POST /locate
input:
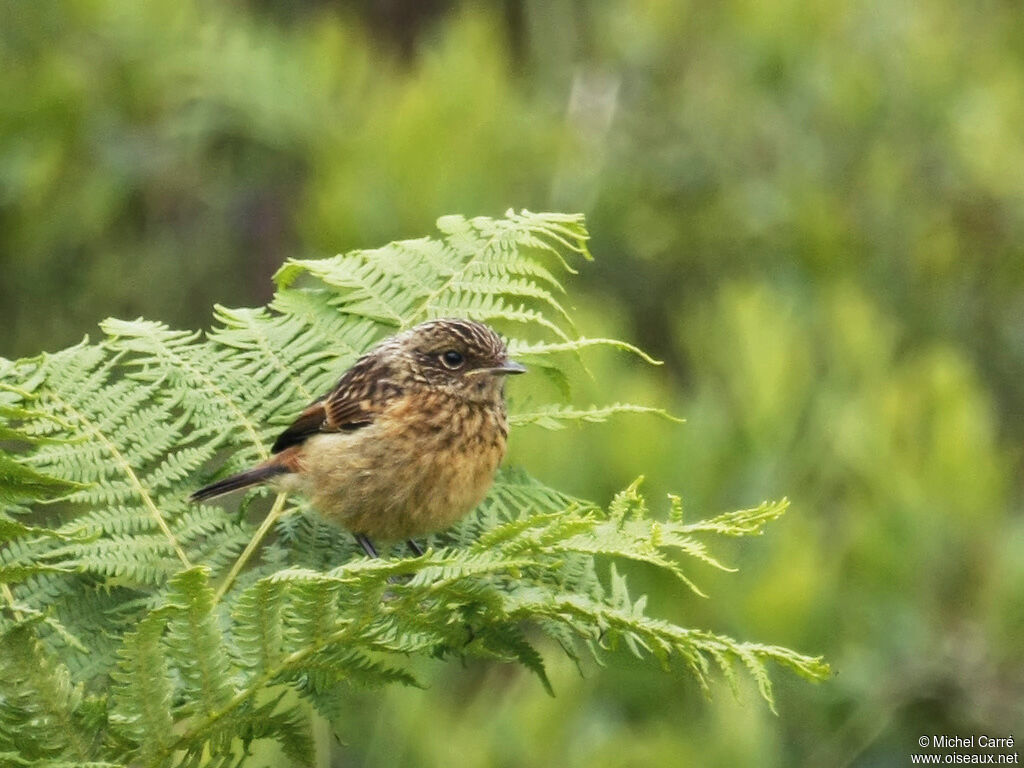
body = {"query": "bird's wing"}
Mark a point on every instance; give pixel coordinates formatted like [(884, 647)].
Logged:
[(356, 399)]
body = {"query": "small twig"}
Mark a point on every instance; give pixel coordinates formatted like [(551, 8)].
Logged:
[(9, 597), (257, 539)]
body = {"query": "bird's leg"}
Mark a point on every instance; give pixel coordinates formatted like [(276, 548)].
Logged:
[(416, 548), (366, 544)]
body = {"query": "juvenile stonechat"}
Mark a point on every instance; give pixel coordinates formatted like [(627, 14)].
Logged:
[(406, 443)]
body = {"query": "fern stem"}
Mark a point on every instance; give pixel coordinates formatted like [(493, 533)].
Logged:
[(113, 450), (254, 542), (258, 683), (9, 597), (24, 394)]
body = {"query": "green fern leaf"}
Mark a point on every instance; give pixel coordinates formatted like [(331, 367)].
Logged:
[(201, 630)]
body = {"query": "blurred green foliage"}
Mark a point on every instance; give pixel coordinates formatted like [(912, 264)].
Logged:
[(814, 212)]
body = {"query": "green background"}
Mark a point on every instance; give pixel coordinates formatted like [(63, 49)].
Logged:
[(812, 211)]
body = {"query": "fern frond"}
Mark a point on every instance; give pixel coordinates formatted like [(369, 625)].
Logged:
[(743, 522), (20, 482), (556, 416), (142, 693), (38, 699), (195, 637), (541, 349)]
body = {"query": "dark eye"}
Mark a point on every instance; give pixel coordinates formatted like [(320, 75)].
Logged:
[(452, 359)]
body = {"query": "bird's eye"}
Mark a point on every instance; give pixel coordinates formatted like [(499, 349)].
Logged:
[(452, 359)]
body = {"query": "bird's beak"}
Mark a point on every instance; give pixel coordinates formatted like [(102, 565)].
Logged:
[(507, 368)]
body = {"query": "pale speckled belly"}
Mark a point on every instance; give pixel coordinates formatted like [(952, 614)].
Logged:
[(395, 482)]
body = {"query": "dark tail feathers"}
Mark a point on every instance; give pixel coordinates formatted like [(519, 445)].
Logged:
[(253, 476)]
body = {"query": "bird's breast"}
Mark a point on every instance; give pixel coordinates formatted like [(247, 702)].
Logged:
[(419, 468)]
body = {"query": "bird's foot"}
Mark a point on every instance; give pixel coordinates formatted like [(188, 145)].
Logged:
[(367, 545)]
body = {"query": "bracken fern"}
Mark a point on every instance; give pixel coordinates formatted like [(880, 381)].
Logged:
[(138, 629)]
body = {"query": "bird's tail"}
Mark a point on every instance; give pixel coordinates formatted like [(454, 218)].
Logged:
[(250, 477)]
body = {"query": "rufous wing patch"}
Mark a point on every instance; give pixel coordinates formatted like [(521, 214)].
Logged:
[(352, 404)]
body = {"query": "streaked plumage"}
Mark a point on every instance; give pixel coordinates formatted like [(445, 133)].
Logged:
[(409, 439)]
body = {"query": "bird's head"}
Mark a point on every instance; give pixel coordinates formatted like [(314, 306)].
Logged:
[(462, 357)]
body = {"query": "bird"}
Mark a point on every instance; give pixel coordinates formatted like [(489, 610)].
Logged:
[(405, 444)]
